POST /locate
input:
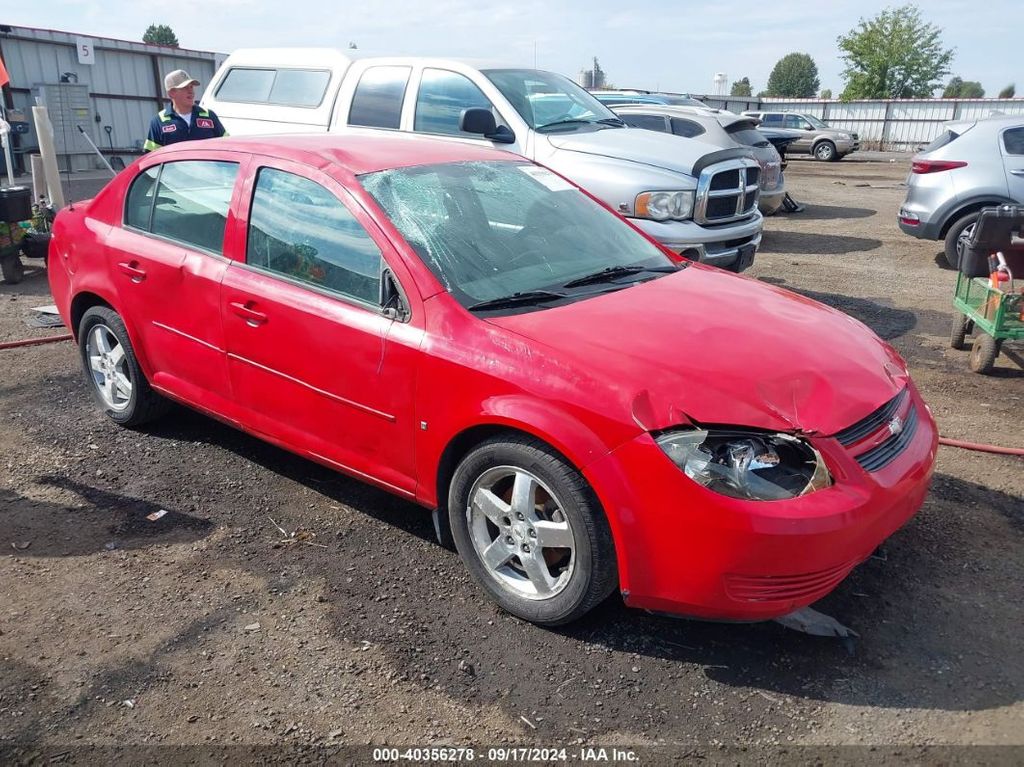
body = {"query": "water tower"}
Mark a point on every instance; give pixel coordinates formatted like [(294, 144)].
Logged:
[(720, 80)]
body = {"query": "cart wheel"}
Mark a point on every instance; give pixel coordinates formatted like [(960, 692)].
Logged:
[(984, 353), (958, 333), (12, 269)]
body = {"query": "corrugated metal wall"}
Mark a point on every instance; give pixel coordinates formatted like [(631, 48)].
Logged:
[(125, 87), (901, 125)]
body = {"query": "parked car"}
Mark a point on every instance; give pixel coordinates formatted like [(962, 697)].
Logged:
[(620, 98), (587, 411), (972, 164), (721, 129), (817, 138), (539, 115)]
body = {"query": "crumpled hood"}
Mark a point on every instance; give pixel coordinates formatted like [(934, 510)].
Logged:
[(715, 348), (659, 150)]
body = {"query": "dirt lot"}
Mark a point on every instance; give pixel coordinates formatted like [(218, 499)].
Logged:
[(206, 627)]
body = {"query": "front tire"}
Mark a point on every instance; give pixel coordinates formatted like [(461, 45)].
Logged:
[(957, 237), (825, 151), (531, 531), (113, 371), (984, 353)]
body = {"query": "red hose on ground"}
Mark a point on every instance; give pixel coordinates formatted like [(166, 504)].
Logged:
[(982, 448), (35, 341)]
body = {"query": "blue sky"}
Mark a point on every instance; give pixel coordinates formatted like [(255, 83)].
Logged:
[(673, 46)]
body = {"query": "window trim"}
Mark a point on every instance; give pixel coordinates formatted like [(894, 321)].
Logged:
[(170, 240), (259, 163), (275, 70)]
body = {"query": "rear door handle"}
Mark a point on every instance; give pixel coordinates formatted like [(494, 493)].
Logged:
[(252, 317), (132, 270)]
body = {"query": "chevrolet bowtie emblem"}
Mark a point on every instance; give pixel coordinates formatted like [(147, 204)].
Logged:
[(895, 425)]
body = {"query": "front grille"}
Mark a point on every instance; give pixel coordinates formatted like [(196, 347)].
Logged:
[(721, 207), (806, 587), (727, 192), (881, 456), (729, 179), (873, 422)]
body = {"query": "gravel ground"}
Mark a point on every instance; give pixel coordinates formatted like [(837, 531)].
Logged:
[(212, 626)]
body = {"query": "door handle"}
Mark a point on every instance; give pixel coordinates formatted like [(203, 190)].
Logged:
[(1018, 172), (252, 317), (132, 270)]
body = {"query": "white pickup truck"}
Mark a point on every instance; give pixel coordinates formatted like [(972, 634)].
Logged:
[(692, 199)]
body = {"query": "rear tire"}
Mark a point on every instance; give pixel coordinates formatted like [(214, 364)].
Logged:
[(825, 151), (958, 332), (13, 270), (113, 371), (531, 531), (984, 353), (962, 229)]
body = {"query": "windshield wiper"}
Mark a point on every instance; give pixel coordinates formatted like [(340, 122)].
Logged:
[(612, 273), (570, 121), (517, 299), (612, 121)]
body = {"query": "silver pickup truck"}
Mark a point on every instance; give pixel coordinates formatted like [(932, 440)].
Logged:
[(695, 200)]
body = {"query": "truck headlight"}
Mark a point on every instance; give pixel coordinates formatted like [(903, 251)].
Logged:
[(662, 206), (756, 466)]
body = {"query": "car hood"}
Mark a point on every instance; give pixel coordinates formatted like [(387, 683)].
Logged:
[(659, 150), (710, 347)]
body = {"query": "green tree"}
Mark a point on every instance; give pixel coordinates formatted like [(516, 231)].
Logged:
[(826, 94), (795, 76), (160, 34), (895, 55), (963, 89), (1009, 91), (741, 87)]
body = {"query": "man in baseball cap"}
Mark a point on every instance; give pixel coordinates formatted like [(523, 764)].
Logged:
[(184, 121)]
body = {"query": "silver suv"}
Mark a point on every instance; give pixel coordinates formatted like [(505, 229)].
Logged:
[(972, 164), (817, 138)]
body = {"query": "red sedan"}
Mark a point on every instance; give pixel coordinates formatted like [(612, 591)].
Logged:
[(585, 411)]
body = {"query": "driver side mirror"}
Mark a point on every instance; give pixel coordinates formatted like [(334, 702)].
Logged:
[(480, 120), (391, 302)]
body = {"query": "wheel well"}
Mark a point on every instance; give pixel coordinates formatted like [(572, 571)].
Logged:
[(974, 207), (821, 141), (459, 447), (82, 303)]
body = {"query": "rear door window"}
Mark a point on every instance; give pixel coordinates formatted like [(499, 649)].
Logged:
[(192, 201), (442, 97), (377, 102), (1013, 140), (687, 128), (300, 230), (772, 120), (139, 207), (648, 122)]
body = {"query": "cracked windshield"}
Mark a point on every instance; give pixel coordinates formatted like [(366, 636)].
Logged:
[(494, 231)]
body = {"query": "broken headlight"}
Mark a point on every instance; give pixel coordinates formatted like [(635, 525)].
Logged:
[(757, 466)]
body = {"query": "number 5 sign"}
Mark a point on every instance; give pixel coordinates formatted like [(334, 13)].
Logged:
[(86, 54)]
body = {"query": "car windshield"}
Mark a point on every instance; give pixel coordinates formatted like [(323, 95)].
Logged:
[(815, 122), (551, 102), (501, 230)]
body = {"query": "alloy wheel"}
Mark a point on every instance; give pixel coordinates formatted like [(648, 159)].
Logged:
[(108, 366), (521, 533)]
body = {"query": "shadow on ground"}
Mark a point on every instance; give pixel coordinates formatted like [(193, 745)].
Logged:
[(802, 243)]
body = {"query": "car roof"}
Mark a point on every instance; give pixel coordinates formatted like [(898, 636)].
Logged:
[(725, 119), (331, 57), (354, 151)]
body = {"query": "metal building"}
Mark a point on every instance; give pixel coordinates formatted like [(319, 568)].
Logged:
[(110, 88)]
